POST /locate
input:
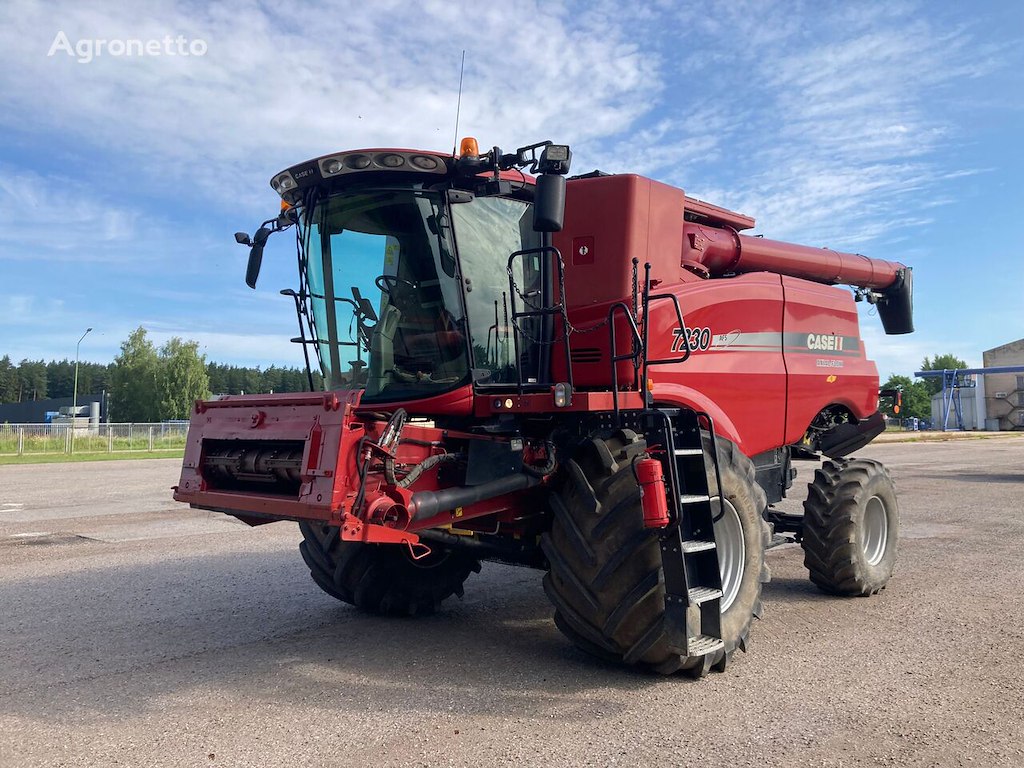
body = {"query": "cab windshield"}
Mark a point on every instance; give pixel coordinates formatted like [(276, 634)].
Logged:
[(394, 313), (385, 304)]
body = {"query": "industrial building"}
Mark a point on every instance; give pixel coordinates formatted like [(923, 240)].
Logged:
[(989, 398), (91, 408), (1004, 392)]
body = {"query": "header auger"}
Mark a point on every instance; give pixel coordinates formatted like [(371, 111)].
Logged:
[(597, 376)]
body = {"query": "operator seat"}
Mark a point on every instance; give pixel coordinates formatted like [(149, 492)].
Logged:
[(427, 337)]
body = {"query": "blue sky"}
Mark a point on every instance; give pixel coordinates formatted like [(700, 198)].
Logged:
[(888, 128)]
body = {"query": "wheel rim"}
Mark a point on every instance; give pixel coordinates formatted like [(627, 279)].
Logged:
[(876, 530), (732, 553)]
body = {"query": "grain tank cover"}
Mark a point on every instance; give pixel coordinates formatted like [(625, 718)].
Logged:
[(609, 221)]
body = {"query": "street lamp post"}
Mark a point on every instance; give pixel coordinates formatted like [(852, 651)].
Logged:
[(74, 398)]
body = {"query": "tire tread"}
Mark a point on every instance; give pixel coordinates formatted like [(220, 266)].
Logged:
[(609, 595), (832, 552)]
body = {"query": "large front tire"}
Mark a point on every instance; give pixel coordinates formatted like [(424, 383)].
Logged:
[(382, 578), (605, 578), (851, 527)]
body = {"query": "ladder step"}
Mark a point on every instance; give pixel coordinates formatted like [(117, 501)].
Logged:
[(692, 498), (696, 545), (702, 645), (700, 595), (688, 452)]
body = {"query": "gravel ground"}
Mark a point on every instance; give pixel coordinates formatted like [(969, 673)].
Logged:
[(138, 632)]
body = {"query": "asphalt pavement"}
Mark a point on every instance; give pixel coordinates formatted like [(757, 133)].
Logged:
[(137, 632)]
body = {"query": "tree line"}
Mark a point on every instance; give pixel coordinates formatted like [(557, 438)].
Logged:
[(917, 393), (145, 383), (149, 384)]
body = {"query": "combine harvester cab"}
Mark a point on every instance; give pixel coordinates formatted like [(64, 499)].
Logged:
[(600, 377)]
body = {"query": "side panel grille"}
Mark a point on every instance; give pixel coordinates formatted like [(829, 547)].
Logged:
[(587, 355)]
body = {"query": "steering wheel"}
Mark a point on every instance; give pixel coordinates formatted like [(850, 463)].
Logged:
[(386, 282), (400, 292)]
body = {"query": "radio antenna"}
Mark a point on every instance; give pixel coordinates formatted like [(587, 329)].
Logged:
[(458, 106)]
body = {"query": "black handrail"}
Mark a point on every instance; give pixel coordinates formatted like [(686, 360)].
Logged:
[(558, 308), (641, 341), (638, 347)]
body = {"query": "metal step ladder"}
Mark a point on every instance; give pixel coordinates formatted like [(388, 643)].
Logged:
[(675, 436), (688, 552)]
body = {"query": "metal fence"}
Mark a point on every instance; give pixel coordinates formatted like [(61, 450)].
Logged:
[(25, 439), (909, 424)]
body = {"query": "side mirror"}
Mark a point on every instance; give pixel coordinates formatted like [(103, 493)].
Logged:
[(252, 271), (242, 238), (549, 203)]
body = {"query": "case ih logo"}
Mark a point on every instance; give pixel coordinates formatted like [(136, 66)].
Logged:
[(824, 341)]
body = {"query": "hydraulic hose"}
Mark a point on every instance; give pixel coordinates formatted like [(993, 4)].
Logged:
[(548, 467), (389, 439), (428, 463)]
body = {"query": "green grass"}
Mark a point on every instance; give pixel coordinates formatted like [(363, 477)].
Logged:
[(56, 458)]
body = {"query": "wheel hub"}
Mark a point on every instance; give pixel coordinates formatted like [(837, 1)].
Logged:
[(876, 530), (732, 552)]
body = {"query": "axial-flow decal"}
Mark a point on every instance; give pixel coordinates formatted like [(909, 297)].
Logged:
[(702, 339)]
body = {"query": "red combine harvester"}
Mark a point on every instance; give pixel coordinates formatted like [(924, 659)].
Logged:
[(596, 376)]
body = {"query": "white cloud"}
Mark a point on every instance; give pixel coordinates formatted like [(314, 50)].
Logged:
[(21, 309), (829, 126), (832, 126), (903, 355), (260, 349), (60, 217), (275, 89), (815, 122)]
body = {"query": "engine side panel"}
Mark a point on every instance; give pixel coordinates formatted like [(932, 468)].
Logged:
[(735, 333), (824, 355), (769, 352)]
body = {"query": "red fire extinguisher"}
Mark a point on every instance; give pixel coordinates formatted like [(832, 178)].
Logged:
[(653, 501)]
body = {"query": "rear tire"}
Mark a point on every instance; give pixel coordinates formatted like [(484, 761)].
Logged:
[(851, 527), (382, 578), (605, 578)]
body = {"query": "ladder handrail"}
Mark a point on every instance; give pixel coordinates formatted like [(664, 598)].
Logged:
[(641, 341), (633, 355)]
